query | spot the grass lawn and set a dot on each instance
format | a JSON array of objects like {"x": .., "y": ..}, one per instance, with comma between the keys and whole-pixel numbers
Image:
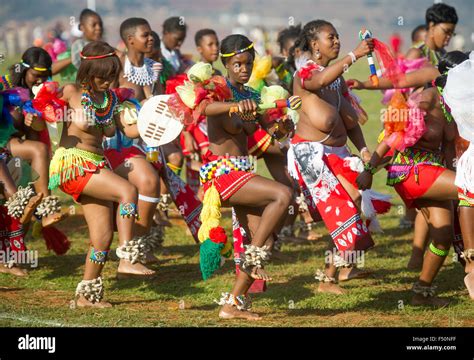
[{"x": 179, "y": 297}]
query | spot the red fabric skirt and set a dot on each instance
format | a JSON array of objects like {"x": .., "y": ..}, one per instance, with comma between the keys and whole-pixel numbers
[
  {"x": 227, "y": 184},
  {"x": 410, "y": 190},
  {"x": 74, "y": 187}
]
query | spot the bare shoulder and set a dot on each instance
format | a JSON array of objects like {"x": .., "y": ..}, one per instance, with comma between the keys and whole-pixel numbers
[
  {"x": 427, "y": 99},
  {"x": 413, "y": 53},
  {"x": 69, "y": 90}
]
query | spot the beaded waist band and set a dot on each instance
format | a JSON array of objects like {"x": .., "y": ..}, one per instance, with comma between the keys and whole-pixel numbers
[
  {"x": 68, "y": 164},
  {"x": 403, "y": 162},
  {"x": 225, "y": 165}
]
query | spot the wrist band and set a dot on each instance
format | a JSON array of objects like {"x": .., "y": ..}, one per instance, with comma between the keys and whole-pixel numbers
[
  {"x": 437, "y": 251},
  {"x": 364, "y": 149},
  {"x": 353, "y": 57},
  {"x": 370, "y": 168}
]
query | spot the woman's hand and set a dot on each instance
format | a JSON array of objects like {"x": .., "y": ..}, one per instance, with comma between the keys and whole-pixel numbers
[
  {"x": 355, "y": 84},
  {"x": 365, "y": 155},
  {"x": 247, "y": 106},
  {"x": 364, "y": 180},
  {"x": 189, "y": 142},
  {"x": 287, "y": 126},
  {"x": 29, "y": 118},
  {"x": 365, "y": 47},
  {"x": 32, "y": 121}
]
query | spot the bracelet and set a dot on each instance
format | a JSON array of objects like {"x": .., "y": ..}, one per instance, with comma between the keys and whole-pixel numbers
[
  {"x": 364, "y": 149},
  {"x": 370, "y": 168},
  {"x": 353, "y": 57}
]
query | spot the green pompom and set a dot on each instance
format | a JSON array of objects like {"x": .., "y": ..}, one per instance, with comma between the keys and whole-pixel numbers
[{"x": 209, "y": 258}]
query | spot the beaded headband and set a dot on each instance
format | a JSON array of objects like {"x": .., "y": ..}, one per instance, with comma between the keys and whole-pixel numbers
[
  {"x": 34, "y": 67},
  {"x": 238, "y": 51},
  {"x": 96, "y": 57}
]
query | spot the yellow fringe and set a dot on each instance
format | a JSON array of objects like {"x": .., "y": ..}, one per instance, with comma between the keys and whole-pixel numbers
[
  {"x": 66, "y": 162},
  {"x": 210, "y": 213}
]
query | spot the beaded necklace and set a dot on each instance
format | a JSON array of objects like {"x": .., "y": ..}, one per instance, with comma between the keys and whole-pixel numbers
[
  {"x": 444, "y": 106},
  {"x": 143, "y": 75},
  {"x": 433, "y": 56},
  {"x": 101, "y": 114},
  {"x": 247, "y": 93}
]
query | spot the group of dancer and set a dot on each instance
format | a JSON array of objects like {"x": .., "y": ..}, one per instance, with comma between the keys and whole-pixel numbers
[{"x": 100, "y": 160}]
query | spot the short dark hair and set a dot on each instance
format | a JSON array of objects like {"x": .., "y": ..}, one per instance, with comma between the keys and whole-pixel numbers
[
  {"x": 310, "y": 32},
  {"x": 201, "y": 33},
  {"x": 416, "y": 31},
  {"x": 129, "y": 26},
  {"x": 441, "y": 13},
  {"x": 292, "y": 32},
  {"x": 33, "y": 57},
  {"x": 447, "y": 62},
  {"x": 156, "y": 40},
  {"x": 105, "y": 68},
  {"x": 174, "y": 24},
  {"x": 233, "y": 43},
  {"x": 87, "y": 13}
]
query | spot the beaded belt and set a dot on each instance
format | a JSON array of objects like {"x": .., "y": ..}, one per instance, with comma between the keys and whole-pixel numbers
[
  {"x": 404, "y": 161},
  {"x": 224, "y": 166}
]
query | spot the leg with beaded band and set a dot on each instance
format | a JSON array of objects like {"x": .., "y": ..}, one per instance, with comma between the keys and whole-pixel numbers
[
  {"x": 111, "y": 187},
  {"x": 259, "y": 205},
  {"x": 439, "y": 217},
  {"x": 98, "y": 215},
  {"x": 138, "y": 171}
]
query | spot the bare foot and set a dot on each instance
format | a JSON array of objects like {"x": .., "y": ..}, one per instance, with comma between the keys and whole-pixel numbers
[
  {"x": 420, "y": 300},
  {"x": 128, "y": 270},
  {"x": 150, "y": 258},
  {"x": 53, "y": 219},
  {"x": 257, "y": 273},
  {"x": 469, "y": 281},
  {"x": 415, "y": 263},
  {"x": 309, "y": 235},
  {"x": 346, "y": 274},
  {"x": 15, "y": 270},
  {"x": 330, "y": 288},
  {"x": 30, "y": 208},
  {"x": 83, "y": 302},
  {"x": 231, "y": 312}
]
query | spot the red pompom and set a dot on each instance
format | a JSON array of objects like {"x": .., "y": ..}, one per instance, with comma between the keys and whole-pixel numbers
[
  {"x": 218, "y": 235},
  {"x": 56, "y": 240}
]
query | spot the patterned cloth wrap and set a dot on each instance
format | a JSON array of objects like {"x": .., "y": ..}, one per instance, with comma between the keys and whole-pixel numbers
[{"x": 403, "y": 162}]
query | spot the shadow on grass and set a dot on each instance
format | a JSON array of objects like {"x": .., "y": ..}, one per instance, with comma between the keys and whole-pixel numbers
[
  {"x": 60, "y": 266},
  {"x": 173, "y": 280},
  {"x": 386, "y": 300}
]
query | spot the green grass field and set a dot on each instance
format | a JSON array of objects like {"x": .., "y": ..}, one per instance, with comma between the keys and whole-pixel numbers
[{"x": 179, "y": 297}]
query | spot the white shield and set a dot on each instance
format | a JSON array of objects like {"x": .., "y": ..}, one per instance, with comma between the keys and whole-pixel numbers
[{"x": 156, "y": 124}]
